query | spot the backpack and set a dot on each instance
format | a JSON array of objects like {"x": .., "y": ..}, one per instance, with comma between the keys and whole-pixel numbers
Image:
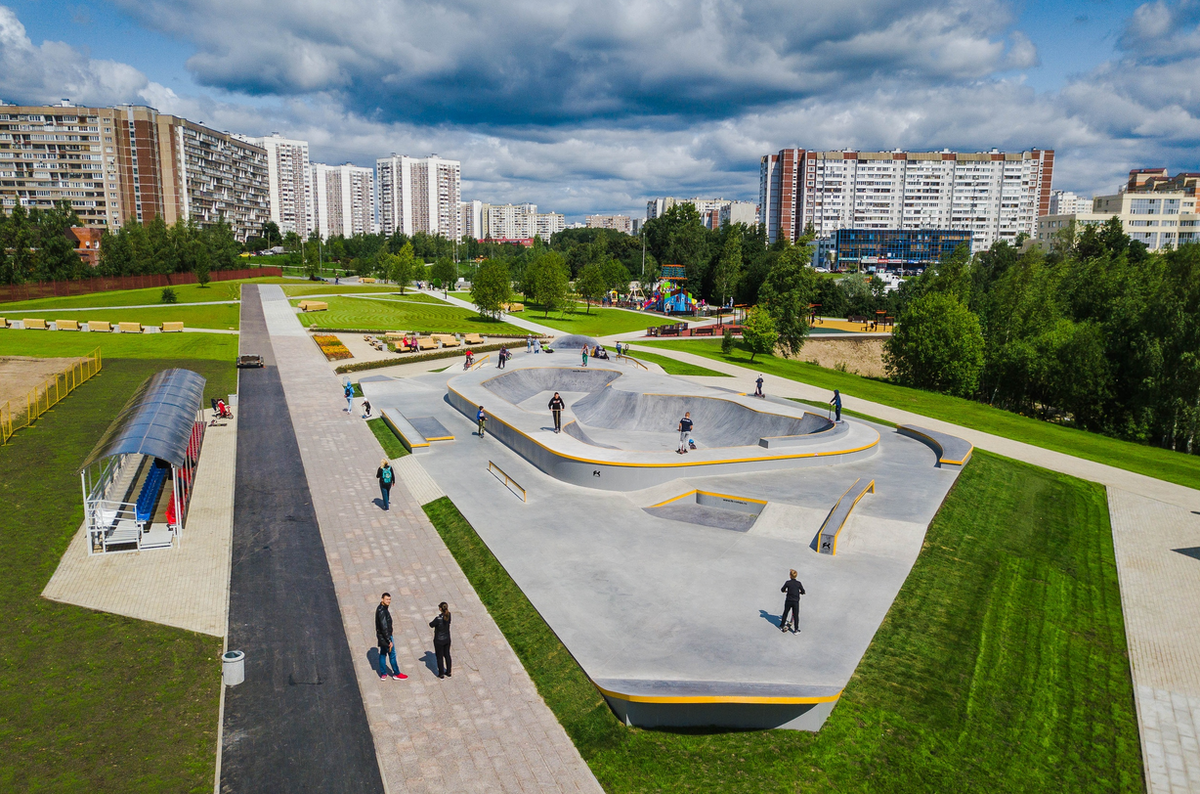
[
  {"x": 349, "y": 391},
  {"x": 387, "y": 475}
]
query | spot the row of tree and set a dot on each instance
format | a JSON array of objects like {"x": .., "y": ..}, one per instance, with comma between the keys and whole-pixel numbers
[{"x": 34, "y": 246}]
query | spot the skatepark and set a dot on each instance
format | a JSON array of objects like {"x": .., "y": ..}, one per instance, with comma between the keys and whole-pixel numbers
[{"x": 660, "y": 572}]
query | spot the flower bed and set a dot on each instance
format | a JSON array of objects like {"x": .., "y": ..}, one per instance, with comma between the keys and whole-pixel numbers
[{"x": 332, "y": 347}]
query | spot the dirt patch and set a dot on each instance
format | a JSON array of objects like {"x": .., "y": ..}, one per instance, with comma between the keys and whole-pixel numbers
[
  {"x": 856, "y": 356},
  {"x": 19, "y": 375}
]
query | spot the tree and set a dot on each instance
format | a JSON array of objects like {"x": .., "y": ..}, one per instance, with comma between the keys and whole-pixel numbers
[
  {"x": 222, "y": 246},
  {"x": 790, "y": 287},
  {"x": 444, "y": 271},
  {"x": 937, "y": 345},
  {"x": 200, "y": 264},
  {"x": 758, "y": 331},
  {"x": 729, "y": 268},
  {"x": 550, "y": 283},
  {"x": 491, "y": 287},
  {"x": 271, "y": 235},
  {"x": 590, "y": 284},
  {"x": 403, "y": 266}
]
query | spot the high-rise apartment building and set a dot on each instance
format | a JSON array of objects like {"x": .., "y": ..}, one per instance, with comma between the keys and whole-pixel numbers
[
  {"x": 550, "y": 223},
  {"x": 1064, "y": 202},
  {"x": 995, "y": 195},
  {"x": 419, "y": 195},
  {"x": 713, "y": 212},
  {"x": 518, "y": 222},
  {"x": 470, "y": 219},
  {"x": 621, "y": 223},
  {"x": 343, "y": 199},
  {"x": 287, "y": 182}
]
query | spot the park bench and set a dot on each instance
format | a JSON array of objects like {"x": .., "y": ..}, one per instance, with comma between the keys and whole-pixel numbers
[
  {"x": 704, "y": 330},
  {"x": 828, "y": 536},
  {"x": 3, "y": 322},
  {"x": 366, "y": 280},
  {"x": 67, "y": 325},
  {"x": 473, "y": 339},
  {"x": 447, "y": 340},
  {"x": 98, "y": 325},
  {"x": 130, "y": 328},
  {"x": 427, "y": 343},
  {"x": 34, "y": 323},
  {"x": 168, "y": 328},
  {"x": 313, "y": 306},
  {"x": 513, "y": 307},
  {"x": 951, "y": 450},
  {"x": 668, "y": 330}
]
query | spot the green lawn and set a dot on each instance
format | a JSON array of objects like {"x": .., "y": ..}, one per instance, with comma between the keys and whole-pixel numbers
[
  {"x": 185, "y": 293},
  {"x": 92, "y": 701},
  {"x": 1163, "y": 464},
  {"x": 600, "y": 322},
  {"x": 402, "y": 314},
  {"x": 223, "y": 315},
  {"x": 312, "y": 288},
  {"x": 392, "y": 446},
  {"x": 675, "y": 367},
  {"x": 1001, "y": 666}
]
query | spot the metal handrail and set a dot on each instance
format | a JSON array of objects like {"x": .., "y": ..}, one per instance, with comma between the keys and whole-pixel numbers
[
  {"x": 479, "y": 362},
  {"x": 631, "y": 358},
  {"x": 509, "y": 482}
]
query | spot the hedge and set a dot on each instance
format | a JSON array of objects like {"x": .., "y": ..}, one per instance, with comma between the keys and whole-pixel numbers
[{"x": 430, "y": 356}]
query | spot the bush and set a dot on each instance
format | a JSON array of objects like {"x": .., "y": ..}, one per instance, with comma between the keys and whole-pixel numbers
[
  {"x": 937, "y": 345},
  {"x": 168, "y": 295},
  {"x": 727, "y": 341}
]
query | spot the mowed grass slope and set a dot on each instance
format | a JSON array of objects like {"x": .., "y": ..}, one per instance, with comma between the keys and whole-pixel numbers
[
  {"x": 92, "y": 701},
  {"x": 676, "y": 367},
  {"x": 223, "y": 316},
  {"x": 599, "y": 322},
  {"x": 1157, "y": 462},
  {"x": 311, "y": 288},
  {"x": 402, "y": 314},
  {"x": 1001, "y": 666},
  {"x": 184, "y": 293}
]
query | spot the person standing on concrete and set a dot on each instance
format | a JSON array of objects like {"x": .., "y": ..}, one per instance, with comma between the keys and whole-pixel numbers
[
  {"x": 386, "y": 476},
  {"x": 480, "y": 418},
  {"x": 387, "y": 646},
  {"x": 528, "y": 343},
  {"x": 441, "y": 639},
  {"x": 758, "y": 387},
  {"x": 585, "y": 352},
  {"x": 685, "y": 430},
  {"x": 836, "y": 402},
  {"x": 556, "y": 406},
  {"x": 348, "y": 392},
  {"x": 792, "y": 590}
]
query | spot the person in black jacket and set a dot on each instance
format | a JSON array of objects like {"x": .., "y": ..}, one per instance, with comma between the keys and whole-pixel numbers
[
  {"x": 383, "y": 634},
  {"x": 441, "y": 639},
  {"x": 791, "y": 602},
  {"x": 556, "y": 406}
]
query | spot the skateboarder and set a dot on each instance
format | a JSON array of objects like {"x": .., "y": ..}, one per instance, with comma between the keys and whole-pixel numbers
[
  {"x": 758, "y": 387},
  {"x": 386, "y": 476},
  {"x": 441, "y": 639},
  {"x": 383, "y": 634},
  {"x": 685, "y": 430},
  {"x": 367, "y": 409},
  {"x": 836, "y": 402},
  {"x": 556, "y": 406},
  {"x": 791, "y": 603},
  {"x": 480, "y": 418}
]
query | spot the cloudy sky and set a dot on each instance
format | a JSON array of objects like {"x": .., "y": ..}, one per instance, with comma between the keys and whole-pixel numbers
[{"x": 584, "y": 106}]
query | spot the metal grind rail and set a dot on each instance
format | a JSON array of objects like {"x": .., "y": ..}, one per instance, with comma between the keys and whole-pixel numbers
[{"x": 509, "y": 482}]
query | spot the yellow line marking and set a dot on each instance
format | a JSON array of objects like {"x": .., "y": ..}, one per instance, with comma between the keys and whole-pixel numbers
[
  {"x": 718, "y": 698},
  {"x": 711, "y": 493}
]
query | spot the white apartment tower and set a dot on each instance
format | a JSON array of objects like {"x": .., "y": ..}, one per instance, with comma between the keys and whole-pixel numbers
[
  {"x": 343, "y": 200},
  {"x": 419, "y": 195},
  {"x": 287, "y": 181},
  {"x": 994, "y": 195},
  {"x": 470, "y": 219}
]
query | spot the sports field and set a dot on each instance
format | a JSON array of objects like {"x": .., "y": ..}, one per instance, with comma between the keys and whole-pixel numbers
[
  {"x": 402, "y": 314},
  {"x": 223, "y": 316},
  {"x": 1001, "y": 666},
  {"x": 185, "y": 293},
  {"x": 1163, "y": 464}
]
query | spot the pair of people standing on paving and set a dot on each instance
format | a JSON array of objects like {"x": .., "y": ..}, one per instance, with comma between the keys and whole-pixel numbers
[{"x": 385, "y": 638}]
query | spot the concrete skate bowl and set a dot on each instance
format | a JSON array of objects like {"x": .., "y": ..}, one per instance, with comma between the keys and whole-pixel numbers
[
  {"x": 519, "y": 385},
  {"x": 575, "y": 342}
]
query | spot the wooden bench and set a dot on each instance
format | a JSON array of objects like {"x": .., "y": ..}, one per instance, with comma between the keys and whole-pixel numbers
[
  {"x": 447, "y": 340},
  {"x": 828, "y": 536},
  {"x": 427, "y": 343},
  {"x": 34, "y": 323},
  {"x": 170, "y": 328},
  {"x": 473, "y": 339},
  {"x": 3, "y": 322},
  {"x": 366, "y": 280},
  {"x": 98, "y": 325},
  {"x": 313, "y": 306},
  {"x": 703, "y": 330},
  {"x": 951, "y": 450},
  {"x": 513, "y": 307},
  {"x": 67, "y": 325},
  {"x": 129, "y": 328}
]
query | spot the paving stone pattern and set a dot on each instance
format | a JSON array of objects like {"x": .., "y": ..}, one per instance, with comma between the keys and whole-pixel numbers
[
  {"x": 1160, "y": 598},
  {"x": 186, "y": 586},
  {"x": 484, "y": 729}
]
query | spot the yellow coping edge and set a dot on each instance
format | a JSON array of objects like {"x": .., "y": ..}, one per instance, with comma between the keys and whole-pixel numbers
[
  {"x": 717, "y": 698},
  {"x": 440, "y": 438},
  {"x": 680, "y": 464},
  {"x": 711, "y": 493},
  {"x": 401, "y": 435},
  {"x": 941, "y": 449},
  {"x": 870, "y": 487}
]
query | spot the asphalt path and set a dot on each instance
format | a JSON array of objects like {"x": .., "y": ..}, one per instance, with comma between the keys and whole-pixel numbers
[{"x": 297, "y": 723}]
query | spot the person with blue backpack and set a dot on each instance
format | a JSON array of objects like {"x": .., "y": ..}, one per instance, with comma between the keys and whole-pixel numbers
[
  {"x": 349, "y": 392},
  {"x": 386, "y": 476}
]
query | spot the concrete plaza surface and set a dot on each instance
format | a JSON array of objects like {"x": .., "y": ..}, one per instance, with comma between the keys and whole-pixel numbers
[{"x": 681, "y": 613}]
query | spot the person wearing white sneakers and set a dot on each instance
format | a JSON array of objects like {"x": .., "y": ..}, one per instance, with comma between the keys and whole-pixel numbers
[{"x": 387, "y": 646}]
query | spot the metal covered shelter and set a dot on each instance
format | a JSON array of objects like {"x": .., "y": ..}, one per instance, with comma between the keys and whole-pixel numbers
[{"x": 137, "y": 481}]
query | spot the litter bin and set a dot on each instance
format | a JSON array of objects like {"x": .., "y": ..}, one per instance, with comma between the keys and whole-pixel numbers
[{"x": 233, "y": 667}]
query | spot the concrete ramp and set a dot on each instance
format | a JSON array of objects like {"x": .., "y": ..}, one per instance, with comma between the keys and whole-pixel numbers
[{"x": 519, "y": 385}]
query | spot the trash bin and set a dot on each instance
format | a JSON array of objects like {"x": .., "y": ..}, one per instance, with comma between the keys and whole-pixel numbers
[{"x": 233, "y": 667}]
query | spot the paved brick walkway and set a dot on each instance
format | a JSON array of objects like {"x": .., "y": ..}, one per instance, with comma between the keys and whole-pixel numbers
[
  {"x": 485, "y": 729},
  {"x": 186, "y": 586}
]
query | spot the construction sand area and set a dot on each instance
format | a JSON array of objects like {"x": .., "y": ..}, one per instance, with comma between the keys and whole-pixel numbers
[
  {"x": 859, "y": 356},
  {"x": 20, "y": 375}
]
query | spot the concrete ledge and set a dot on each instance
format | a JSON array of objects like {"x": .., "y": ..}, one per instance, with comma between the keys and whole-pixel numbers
[
  {"x": 951, "y": 450},
  {"x": 649, "y": 704},
  {"x": 827, "y": 537},
  {"x": 409, "y": 436}
]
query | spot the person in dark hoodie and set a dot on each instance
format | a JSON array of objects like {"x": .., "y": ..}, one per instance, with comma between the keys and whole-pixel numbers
[
  {"x": 556, "y": 406},
  {"x": 387, "y": 646},
  {"x": 791, "y": 603},
  {"x": 441, "y": 639}
]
